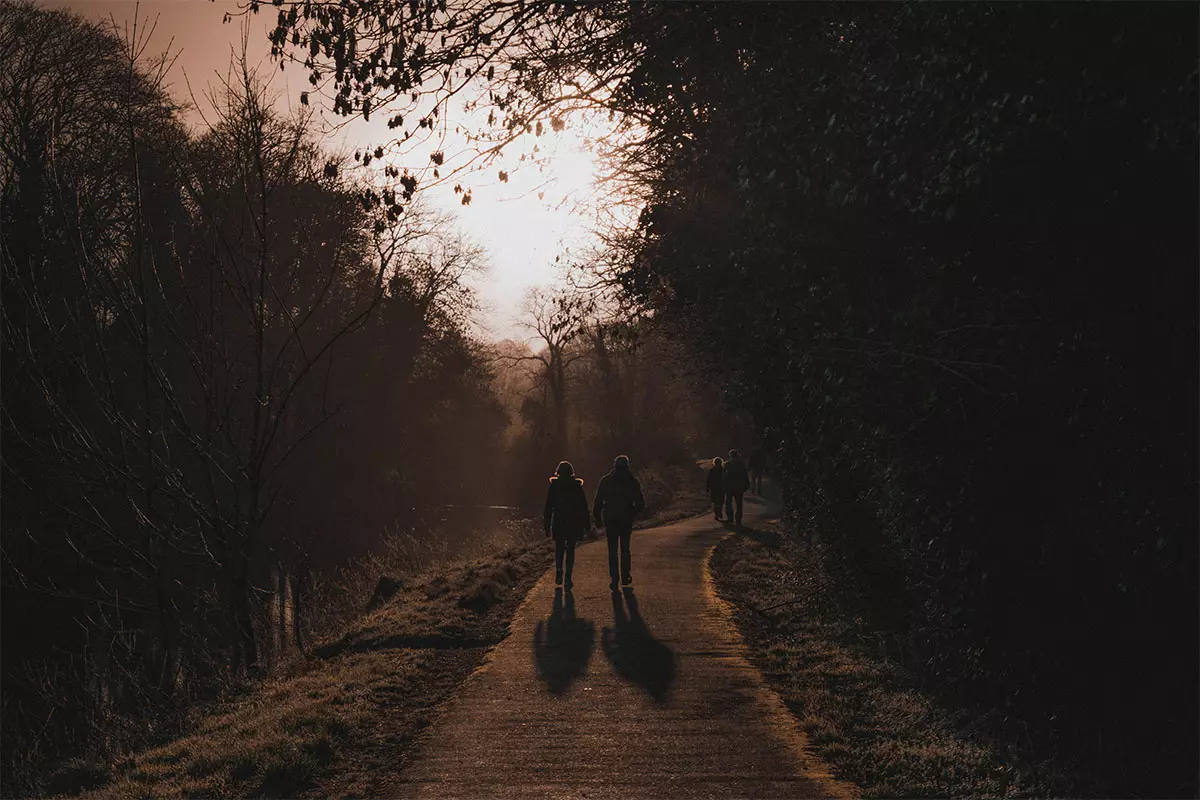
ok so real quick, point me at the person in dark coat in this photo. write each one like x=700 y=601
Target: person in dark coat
x=715 y=484
x=758 y=463
x=737 y=481
x=566 y=518
x=618 y=500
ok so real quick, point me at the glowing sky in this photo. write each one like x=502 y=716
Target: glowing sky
x=522 y=233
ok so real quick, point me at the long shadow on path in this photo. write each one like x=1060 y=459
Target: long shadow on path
x=562 y=644
x=634 y=652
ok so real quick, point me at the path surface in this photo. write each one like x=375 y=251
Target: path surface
x=641 y=694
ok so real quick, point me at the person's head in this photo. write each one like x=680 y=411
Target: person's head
x=734 y=453
x=621 y=462
x=717 y=461
x=565 y=470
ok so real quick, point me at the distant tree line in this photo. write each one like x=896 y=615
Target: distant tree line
x=946 y=257
x=592 y=382
x=226 y=366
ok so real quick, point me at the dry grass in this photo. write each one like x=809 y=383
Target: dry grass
x=863 y=713
x=355 y=704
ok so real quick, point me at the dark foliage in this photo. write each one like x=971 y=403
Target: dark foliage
x=955 y=253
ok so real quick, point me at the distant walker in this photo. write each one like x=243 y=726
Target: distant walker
x=737 y=481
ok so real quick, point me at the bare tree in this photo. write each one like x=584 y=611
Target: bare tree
x=557 y=321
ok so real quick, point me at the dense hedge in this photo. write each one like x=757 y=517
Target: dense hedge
x=951 y=253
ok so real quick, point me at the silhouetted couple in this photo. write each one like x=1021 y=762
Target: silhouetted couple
x=727 y=483
x=618 y=501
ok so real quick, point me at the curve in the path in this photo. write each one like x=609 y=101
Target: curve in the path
x=644 y=693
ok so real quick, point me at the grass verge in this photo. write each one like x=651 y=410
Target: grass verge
x=866 y=715
x=350 y=710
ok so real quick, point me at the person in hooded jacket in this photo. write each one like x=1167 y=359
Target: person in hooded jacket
x=566 y=518
x=618 y=500
x=737 y=481
x=715 y=484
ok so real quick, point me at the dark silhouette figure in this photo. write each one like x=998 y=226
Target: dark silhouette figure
x=562 y=644
x=566 y=518
x=715 y=484
x=758 y=464
x=634 y=652
x=618 y=500
x=737 y=481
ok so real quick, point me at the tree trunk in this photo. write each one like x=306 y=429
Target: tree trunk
x=281 y=594
x=243 y=621
x=298 y=581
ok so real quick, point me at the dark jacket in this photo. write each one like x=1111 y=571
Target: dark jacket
x=736 y=477
x=716 y=483
x=566 y=514
x=618 y=497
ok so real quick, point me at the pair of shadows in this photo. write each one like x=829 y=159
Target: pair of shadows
x=563 y=644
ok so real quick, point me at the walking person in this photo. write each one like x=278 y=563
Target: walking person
x=566 y=518
x=737 y=481
x=618 y=500
x=758 y=463
x=715 y=484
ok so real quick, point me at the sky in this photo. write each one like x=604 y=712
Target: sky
x=522 y=233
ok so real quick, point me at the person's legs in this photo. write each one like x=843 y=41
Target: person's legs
x=737 y=496
x=717 y=509
x=559 y=552
x=626 y=558
x=569 y=560
x=613 y=541
x=729 y=505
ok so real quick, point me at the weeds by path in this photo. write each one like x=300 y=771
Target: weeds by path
x=863 y=713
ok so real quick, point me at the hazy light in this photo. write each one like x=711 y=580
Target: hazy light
x=532 y=225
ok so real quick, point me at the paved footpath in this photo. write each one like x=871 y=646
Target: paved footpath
x=640 y=694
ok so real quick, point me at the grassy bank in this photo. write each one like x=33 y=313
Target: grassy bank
x=867 y=715
x=355 y=704
x=339 y=718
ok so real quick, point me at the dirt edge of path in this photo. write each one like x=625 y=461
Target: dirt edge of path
x=772 y=702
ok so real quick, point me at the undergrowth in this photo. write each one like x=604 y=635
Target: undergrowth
x=865 y=713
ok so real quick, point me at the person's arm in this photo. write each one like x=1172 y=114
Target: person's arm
x=587 y=518
x=639 y=501
x=548 y=512
x=598 y=505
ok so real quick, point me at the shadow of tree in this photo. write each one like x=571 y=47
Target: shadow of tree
x=562 y=644
x=636 y=655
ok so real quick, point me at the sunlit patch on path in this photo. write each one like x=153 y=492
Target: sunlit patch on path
x=641 y=693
